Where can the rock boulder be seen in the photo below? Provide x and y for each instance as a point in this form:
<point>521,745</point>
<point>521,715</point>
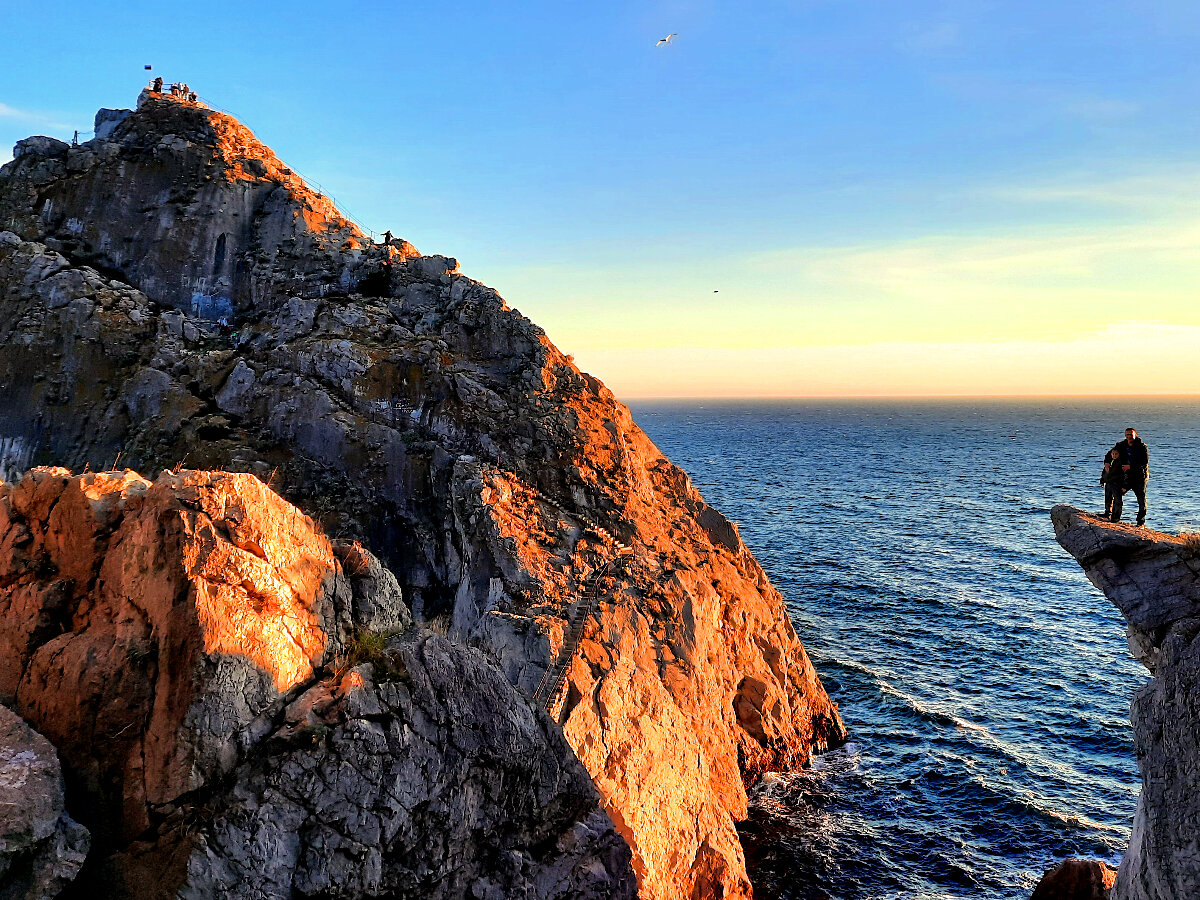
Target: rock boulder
<point>240,715</point>
<point>1077,879</point>
<point>41,848</point>
<point>438,782</point>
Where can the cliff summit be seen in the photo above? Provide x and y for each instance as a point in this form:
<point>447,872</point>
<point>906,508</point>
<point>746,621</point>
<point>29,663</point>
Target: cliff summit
<point>171,294</point>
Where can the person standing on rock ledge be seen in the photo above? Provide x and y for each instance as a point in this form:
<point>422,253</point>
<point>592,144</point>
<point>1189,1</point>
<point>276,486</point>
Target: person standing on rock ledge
<point>1134,460</point>
<point>1112,476</point>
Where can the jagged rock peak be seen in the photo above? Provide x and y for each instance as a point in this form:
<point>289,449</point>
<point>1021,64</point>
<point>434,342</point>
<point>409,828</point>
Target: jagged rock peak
<point>186,204</point>
<point>1154,580</point>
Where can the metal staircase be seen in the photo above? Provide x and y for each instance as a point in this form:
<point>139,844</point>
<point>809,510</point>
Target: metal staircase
<point>552,682</point>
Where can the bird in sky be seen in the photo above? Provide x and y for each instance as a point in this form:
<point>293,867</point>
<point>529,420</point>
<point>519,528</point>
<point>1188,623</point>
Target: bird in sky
<point>665,40</point>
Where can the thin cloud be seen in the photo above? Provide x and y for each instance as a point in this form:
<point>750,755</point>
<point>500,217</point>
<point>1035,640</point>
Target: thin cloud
<point>931,39</point>
<point>1101,109</point>
<point>1040,96</point>
<point>1155,359</point>
<point>992,261</point>
<point>1029,282</point>
<point>32,118</point>
<point>1164,193</point>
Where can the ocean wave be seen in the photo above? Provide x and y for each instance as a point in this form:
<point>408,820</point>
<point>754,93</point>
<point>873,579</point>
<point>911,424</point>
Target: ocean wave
<point>927,712</point>
<point>1044,808</point>
<point>1030,760</point>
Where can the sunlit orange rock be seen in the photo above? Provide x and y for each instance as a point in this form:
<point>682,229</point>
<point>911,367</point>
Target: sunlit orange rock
<point>146,626</point>
<point>690,681</point>
<point>182,644</point>
<point>1077,879</point>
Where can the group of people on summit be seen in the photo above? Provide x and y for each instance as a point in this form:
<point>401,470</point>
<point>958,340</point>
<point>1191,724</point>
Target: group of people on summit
<point>1126,468</point>
<point>178,89</point>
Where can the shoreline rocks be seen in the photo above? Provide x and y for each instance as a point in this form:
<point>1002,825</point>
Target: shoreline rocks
<point>1077,879</point>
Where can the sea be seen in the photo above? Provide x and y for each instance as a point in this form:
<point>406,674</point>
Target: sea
<point>985,683</point>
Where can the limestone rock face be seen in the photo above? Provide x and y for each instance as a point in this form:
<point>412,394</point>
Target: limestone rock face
<point>1077,879</point>
<point>149,630</point>
<point>1154,580</point>
<point>187,645</point>
<point>41,847</point>
<point>406,406</point>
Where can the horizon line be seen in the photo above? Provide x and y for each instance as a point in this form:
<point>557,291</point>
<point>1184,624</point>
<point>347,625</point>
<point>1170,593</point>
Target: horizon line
<point>767,398</point>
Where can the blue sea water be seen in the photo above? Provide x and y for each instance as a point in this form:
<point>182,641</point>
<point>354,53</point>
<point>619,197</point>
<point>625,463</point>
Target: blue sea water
<point>985,683</point>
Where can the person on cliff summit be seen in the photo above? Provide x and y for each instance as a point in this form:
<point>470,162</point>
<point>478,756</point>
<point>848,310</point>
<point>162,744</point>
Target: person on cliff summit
<point>1112,476</point>
<point>1134,457</point>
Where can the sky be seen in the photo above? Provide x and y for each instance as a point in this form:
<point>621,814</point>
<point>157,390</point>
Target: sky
<point>808,198</point>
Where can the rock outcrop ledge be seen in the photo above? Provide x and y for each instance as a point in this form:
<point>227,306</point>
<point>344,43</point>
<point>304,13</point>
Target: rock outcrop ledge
<point>1154,580</point>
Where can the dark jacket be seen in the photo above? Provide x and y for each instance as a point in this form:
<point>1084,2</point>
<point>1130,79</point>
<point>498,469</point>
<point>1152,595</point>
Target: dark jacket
<point>1111,472</point>
<point>1137,457</point>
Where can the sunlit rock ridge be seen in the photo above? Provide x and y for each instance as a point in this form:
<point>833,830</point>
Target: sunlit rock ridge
<point>172,294</point>
<point>1154,580</point>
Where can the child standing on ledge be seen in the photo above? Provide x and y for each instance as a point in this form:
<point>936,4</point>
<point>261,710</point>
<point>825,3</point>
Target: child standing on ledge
<point>1112,476</point>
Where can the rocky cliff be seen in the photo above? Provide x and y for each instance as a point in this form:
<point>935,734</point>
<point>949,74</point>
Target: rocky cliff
<point>231,725</point>
<point>1154,580</point>
<point>174,294</point>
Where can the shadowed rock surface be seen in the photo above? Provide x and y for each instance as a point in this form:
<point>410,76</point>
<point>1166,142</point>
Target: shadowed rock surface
<point>406,406</point>
<point>440,782</point>
<point>1154,580</point>
<point>41,847</point>
<point>187,645</point>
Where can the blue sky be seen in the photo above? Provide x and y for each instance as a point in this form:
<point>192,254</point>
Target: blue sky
<point>943,194</point>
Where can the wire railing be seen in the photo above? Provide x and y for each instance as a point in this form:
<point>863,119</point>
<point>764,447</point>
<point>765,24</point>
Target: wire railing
<point>313,185</point>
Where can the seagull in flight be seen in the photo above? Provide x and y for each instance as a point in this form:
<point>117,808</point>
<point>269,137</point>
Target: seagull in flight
<point>666,40</point>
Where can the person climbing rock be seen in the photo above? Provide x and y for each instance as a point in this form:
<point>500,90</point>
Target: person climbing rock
<point>1112,476</point>
<point>1135,463</point>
